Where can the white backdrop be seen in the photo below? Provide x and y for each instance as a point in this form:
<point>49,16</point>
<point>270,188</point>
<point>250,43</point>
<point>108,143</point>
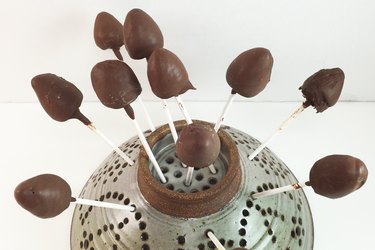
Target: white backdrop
<point>56,36</point>
<point>303,36</point>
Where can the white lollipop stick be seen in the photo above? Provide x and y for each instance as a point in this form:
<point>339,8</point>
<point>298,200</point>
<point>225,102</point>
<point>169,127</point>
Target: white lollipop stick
<point>113,146</point>
<point>189,176</point>
<point>182,107</point>
<point>279,190</point>
<point>217,243</point>
<point>149,151</point>
<point>212,169</point>
<point>281,128</point>
<point>224,112</point>
<point>148,118</point>
<point>221,120</point>
<point>170,120</point>
<point>103,204</point>
<point>171,124</point>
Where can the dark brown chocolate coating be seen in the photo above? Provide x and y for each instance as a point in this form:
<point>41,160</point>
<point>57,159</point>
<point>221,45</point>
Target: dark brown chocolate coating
<point>108,33</point>
<point>167,74</point>
<point>59,98</point>
<point>198,145</point>
<point>141,34</point>
<point>115,83</point>
<point>323,89</point>
<point>45,195</point>
<point>250,72</point>
<point>335,176</point>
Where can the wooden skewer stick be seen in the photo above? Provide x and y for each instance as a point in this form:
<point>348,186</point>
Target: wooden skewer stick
<point>280,190</point>
<point>148,118</point>
<point>224,112</point>
<point>278,130</point>
<point>102,204</point>
<point>213,238</point>
<point>109,142</point>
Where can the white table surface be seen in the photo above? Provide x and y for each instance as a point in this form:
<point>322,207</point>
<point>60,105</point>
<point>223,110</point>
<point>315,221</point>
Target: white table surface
<point>32,143</point>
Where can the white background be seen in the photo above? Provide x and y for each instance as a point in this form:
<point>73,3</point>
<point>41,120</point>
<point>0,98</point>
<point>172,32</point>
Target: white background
<point>304,36</point>
<point>56,36</point>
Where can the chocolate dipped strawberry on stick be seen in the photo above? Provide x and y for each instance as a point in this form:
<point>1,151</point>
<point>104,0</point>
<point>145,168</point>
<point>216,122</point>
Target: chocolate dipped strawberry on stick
<point>247,75</point>
<point>168,78</point>
<point>61,100</point>
<point>333,176</point>
<point>198,146</point>
<point>108,33</point>
<point>48,195</point>
<point>141,37</point>
<point>321,90</point>
<point>141,34</point>
<point>117,87</point>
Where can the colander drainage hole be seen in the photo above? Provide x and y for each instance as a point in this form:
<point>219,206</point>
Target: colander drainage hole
<point>169,160</point>
<point>142,225</point>
<point>170,187</point>
<point>212,181</point>
<point>199,177</point>
<point>164,170</point>
<point>177,174</point>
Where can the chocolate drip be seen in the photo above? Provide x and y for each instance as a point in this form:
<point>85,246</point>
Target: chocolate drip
<point>79,116</point>
<point>118,54</point>
<point>198,145</point>
<point>250,72</point>
<point>335,176</point>
<point>59,98</point>
<point>141,34</point>
<point>322,90</point>
<point>167,74</point>
<point>115,83</point>
<point>129,111</point>
<point>108,33</point>
<point>45,195</point>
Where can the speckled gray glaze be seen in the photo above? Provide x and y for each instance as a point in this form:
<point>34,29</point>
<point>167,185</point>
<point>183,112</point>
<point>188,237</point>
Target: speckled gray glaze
<point>277,222</point>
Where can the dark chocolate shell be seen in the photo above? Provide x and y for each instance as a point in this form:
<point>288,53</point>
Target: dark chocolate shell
<point>115,83</point>
<point>198,145</point>
<point>141,34</point>
<point>250,72</point>
<point>108,33</point>
<point>45,195</point>
<point>322,90</point>
<point>59,98</point>
<point>167,74</point>
<point>335,176</point>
